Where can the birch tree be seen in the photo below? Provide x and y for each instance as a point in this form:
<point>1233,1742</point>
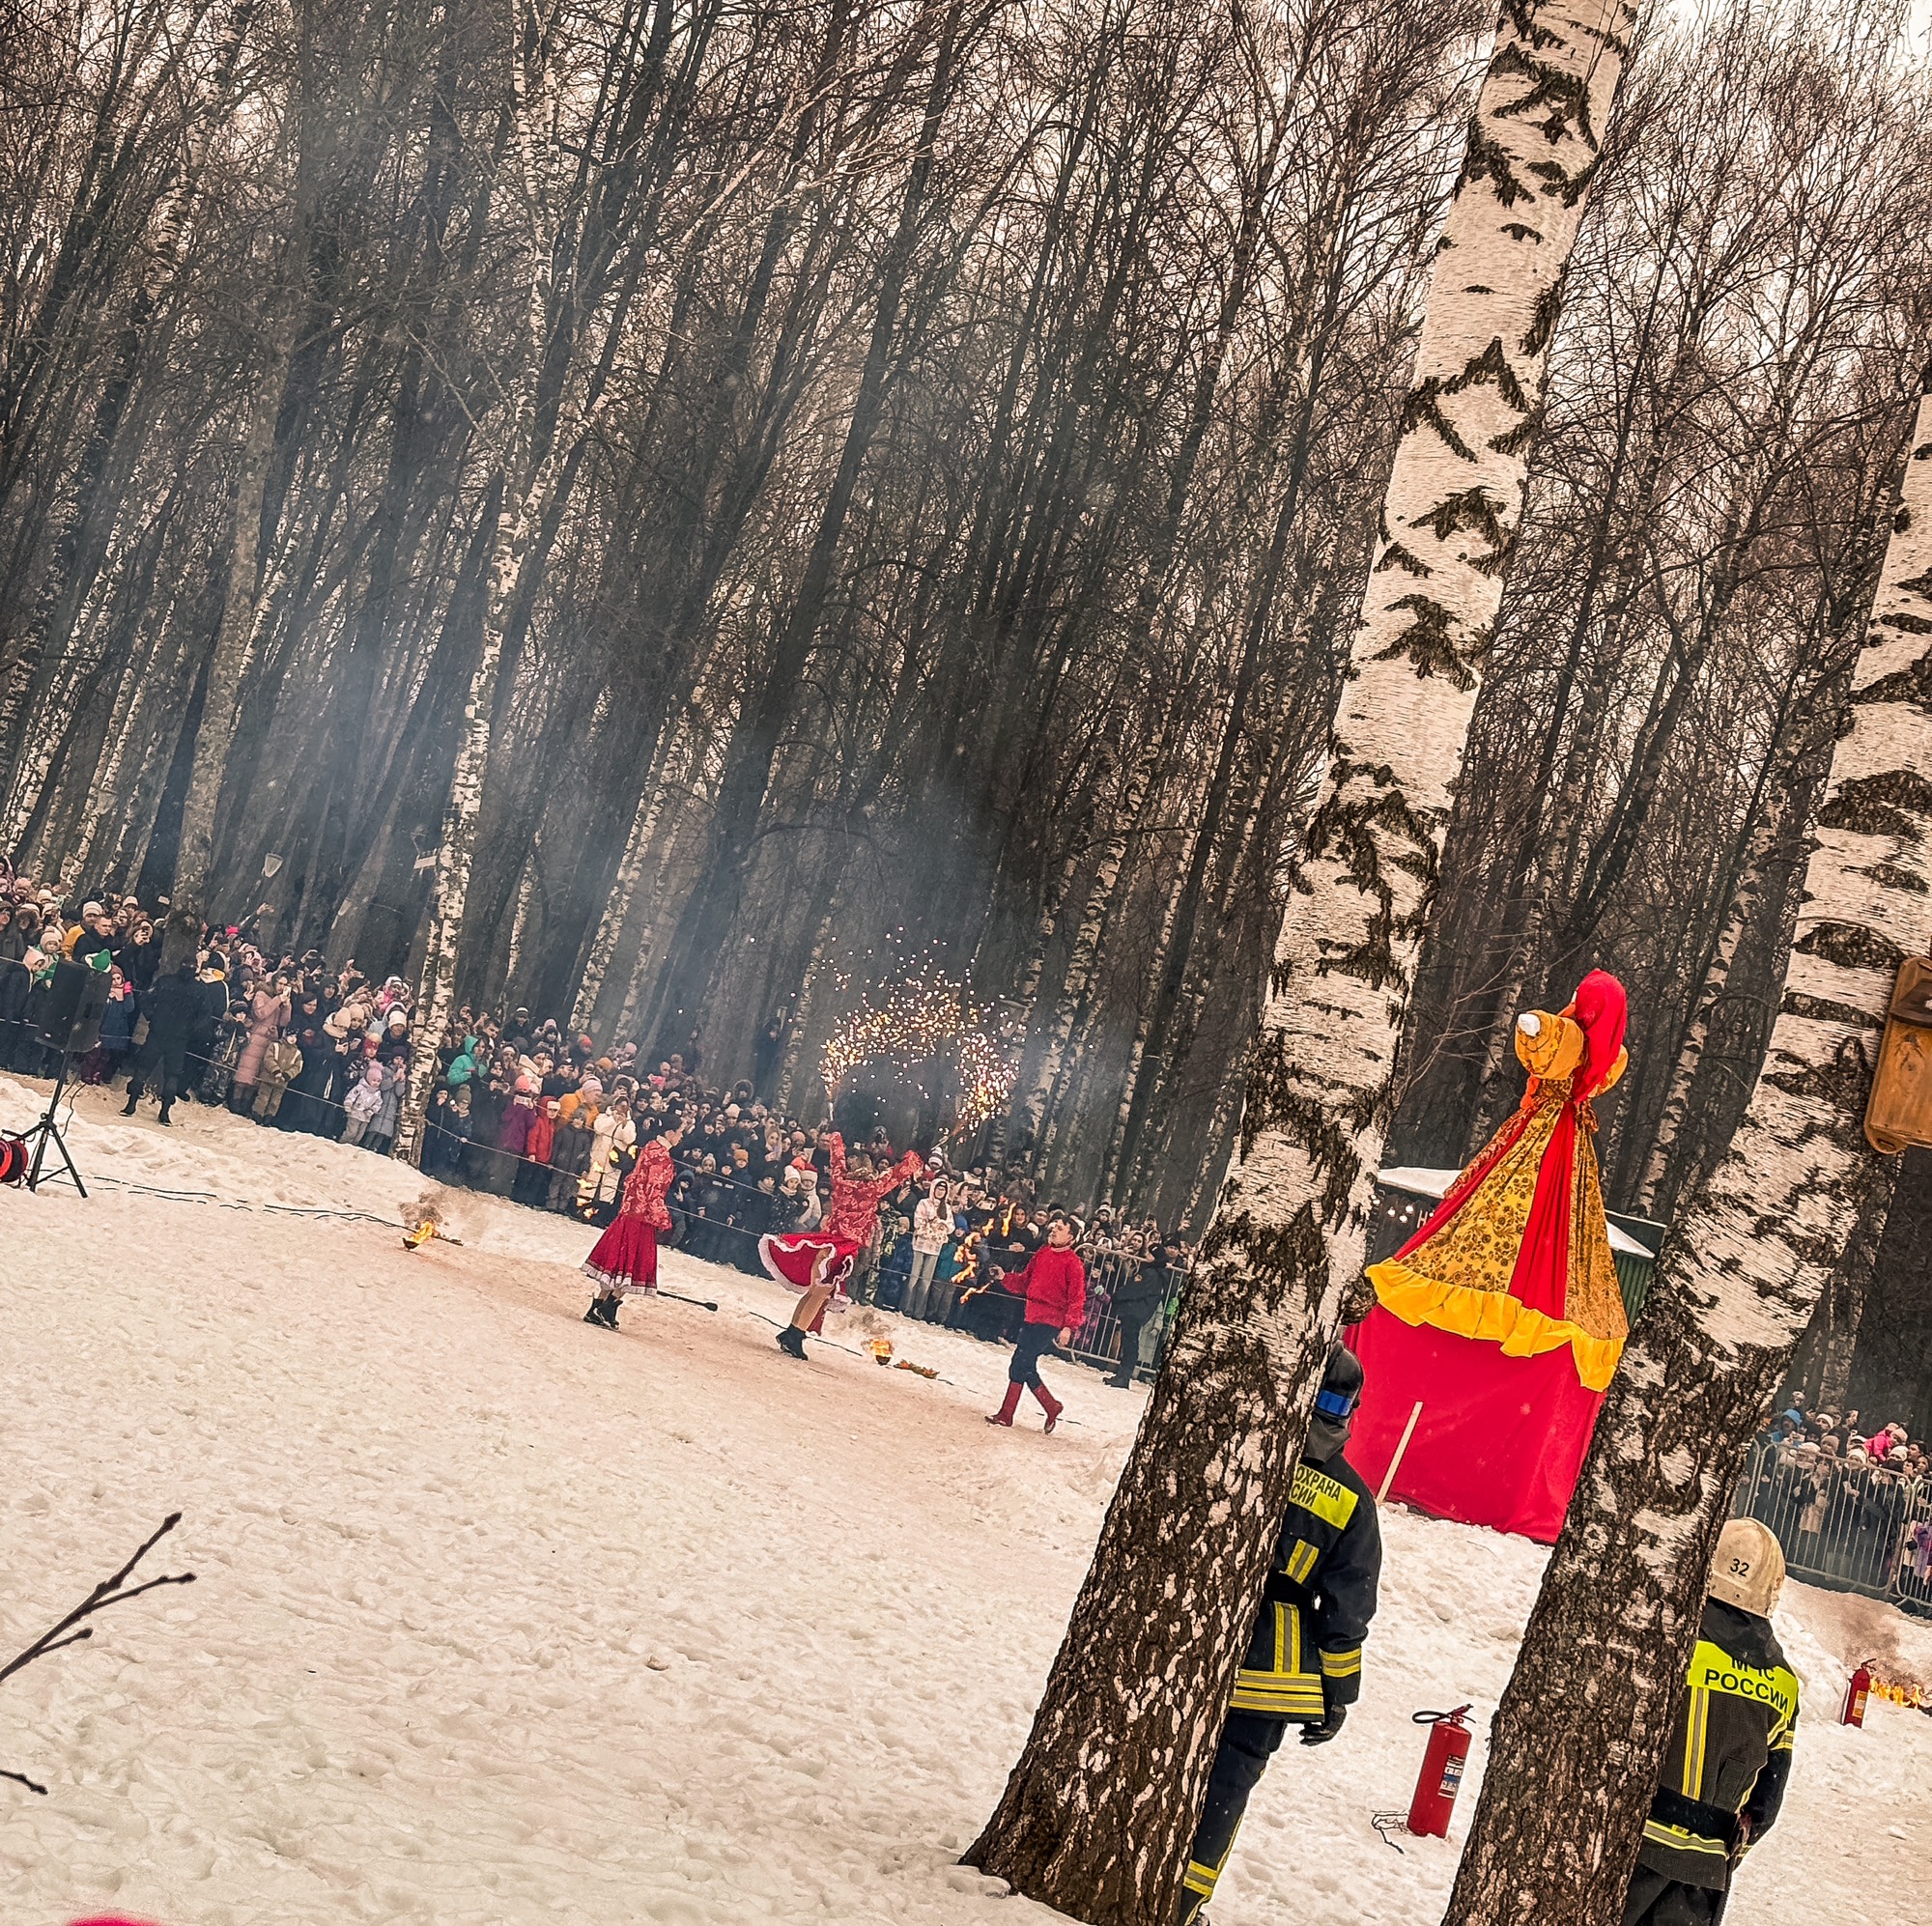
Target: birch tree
<point>1581,1728</point>
<point>1098,1813</point>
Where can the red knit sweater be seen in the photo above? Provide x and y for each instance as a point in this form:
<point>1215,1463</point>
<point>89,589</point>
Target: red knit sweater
<point>1055,1283</point>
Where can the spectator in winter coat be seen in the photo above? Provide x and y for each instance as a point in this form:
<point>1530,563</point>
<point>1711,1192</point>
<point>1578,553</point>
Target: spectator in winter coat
<point>14,978</point>
<point>571,1145</point>
<point>931,1226</point>
<point>204,1069</point>
<point>447,1134</point>
<point>280,1063</point>
<point>381,1135</point>
<point>613,1139</point>
<point>268,1011</point>
<point>141,956</point>
<point>103,1062</point>
<point>533,1174</point>
<point>587,1096</point>
<point>1055,1283</point>
<point>489,1098</point>
<point>513,1133</point>
<point>360,1102</point>
<point>173,1008</point>
<point>1139,1298</point>
<point>303,1106</point>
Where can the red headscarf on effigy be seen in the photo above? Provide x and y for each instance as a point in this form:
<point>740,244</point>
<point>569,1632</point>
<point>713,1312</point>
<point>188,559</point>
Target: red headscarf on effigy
<point>1601,1011</point>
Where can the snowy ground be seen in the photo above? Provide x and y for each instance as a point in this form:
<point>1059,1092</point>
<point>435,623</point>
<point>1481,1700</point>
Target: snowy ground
<point>502,1619</point>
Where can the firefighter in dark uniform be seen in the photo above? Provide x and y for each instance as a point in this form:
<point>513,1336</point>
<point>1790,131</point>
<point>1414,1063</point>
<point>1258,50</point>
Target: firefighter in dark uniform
<point>1304,1662</point>
<point>1729,1756</point>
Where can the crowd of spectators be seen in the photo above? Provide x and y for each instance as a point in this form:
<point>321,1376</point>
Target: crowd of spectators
<point>1851,1503</point>
<point>528,1110</point>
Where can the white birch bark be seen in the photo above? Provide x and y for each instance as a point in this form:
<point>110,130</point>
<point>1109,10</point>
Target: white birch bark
<point>1097,1815</point>
<point>214,729</point>
<point>672,767</point>
<point>534,129</point>
<point>691,779</point>
<point>1293,1209</point>
<point>1081,963</point>
<point>1737,1281</point>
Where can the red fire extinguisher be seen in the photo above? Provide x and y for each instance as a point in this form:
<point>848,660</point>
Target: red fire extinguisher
<point>1855,1694</point>
<point>1441,1771</point>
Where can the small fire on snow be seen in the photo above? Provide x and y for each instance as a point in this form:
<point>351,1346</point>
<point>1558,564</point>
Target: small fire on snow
<point>423,1221</point>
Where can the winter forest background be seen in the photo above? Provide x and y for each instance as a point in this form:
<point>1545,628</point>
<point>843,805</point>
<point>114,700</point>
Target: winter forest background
<point>773,494</point>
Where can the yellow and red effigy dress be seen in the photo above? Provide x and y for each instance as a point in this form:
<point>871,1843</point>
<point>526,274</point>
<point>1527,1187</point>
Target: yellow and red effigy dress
<point>1501,1317</point>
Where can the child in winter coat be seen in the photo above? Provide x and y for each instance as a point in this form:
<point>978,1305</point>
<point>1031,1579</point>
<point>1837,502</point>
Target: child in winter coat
<point>117,1033</point>
<point>533,1174</point>
<point>571,1145</point>
<point>281,1064</point>
<point>361,1102</point>
<point>381,1135</point>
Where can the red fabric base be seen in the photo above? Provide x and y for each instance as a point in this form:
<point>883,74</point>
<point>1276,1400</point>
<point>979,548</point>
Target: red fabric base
<point>625,1257</point>
<point>1500,1441</point>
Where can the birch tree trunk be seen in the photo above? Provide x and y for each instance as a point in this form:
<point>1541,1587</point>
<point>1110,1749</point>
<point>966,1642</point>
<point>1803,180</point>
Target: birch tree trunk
<point>516,518</point>
<point>1097,1815</point>
<point>216,729</point>
<point>1585,1718</point>
<point>1789,796</point>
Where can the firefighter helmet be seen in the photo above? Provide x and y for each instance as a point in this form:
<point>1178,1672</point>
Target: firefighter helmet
<point>1341,1386</point>
<point>1749,1571</point>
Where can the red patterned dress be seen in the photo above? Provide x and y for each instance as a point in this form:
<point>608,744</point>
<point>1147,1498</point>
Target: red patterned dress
<point>625,1261</point>
<point>847,1230</point>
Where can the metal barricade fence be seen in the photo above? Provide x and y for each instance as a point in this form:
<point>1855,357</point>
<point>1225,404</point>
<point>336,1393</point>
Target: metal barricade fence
<point>1845,1526</point>
<point>1097,1342</point>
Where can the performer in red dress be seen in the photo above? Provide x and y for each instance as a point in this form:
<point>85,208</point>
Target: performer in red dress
<point>625,1261</point>
<point>819,1262</point>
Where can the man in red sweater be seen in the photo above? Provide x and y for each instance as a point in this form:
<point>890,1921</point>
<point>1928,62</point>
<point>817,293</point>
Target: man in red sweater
<point>1055,1284</point>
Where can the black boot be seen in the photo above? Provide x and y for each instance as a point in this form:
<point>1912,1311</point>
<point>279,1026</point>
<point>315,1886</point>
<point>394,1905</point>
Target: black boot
<point>128,1108</point>
<point>603,1311</point>
<point>164,1117</point>
<point>791,1341</point>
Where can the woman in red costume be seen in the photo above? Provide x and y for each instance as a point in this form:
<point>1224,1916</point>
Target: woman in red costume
<point>1501,1317</point>
<point>625,1261</point>
<point>819,1262</point>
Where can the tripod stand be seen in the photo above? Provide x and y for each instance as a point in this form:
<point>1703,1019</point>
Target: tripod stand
<point>48,1131</point>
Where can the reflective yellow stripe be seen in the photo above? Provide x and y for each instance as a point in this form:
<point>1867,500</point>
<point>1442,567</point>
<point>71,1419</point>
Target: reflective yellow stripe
<point>1679,1840</point>
<point>1341,1664</point>
<point>1696,1734</point>
<point>1301,1561</point>
<point>1328,1499</point>
<point>1255,1691</point>
<point>1201,1879</point>
<point>1280,1689</point>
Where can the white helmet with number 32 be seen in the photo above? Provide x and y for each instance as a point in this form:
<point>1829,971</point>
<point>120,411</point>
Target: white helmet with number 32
<point>1748,1570</point>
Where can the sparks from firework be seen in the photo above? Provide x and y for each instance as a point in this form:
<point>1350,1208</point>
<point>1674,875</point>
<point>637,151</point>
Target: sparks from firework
<point>924,1016</point>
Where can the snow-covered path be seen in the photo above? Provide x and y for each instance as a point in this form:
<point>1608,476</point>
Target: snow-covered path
<point>502,1619</point>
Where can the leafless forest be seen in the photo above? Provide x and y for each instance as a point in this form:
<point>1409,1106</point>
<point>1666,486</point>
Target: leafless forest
<point>666,509</point>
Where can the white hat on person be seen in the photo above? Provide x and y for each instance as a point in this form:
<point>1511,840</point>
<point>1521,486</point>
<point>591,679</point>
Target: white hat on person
<point>1748,1570</point>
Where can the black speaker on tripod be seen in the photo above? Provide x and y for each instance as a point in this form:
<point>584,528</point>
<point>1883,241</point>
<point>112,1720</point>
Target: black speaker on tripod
<point>76,1001</point>
<point>70,1023</point>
